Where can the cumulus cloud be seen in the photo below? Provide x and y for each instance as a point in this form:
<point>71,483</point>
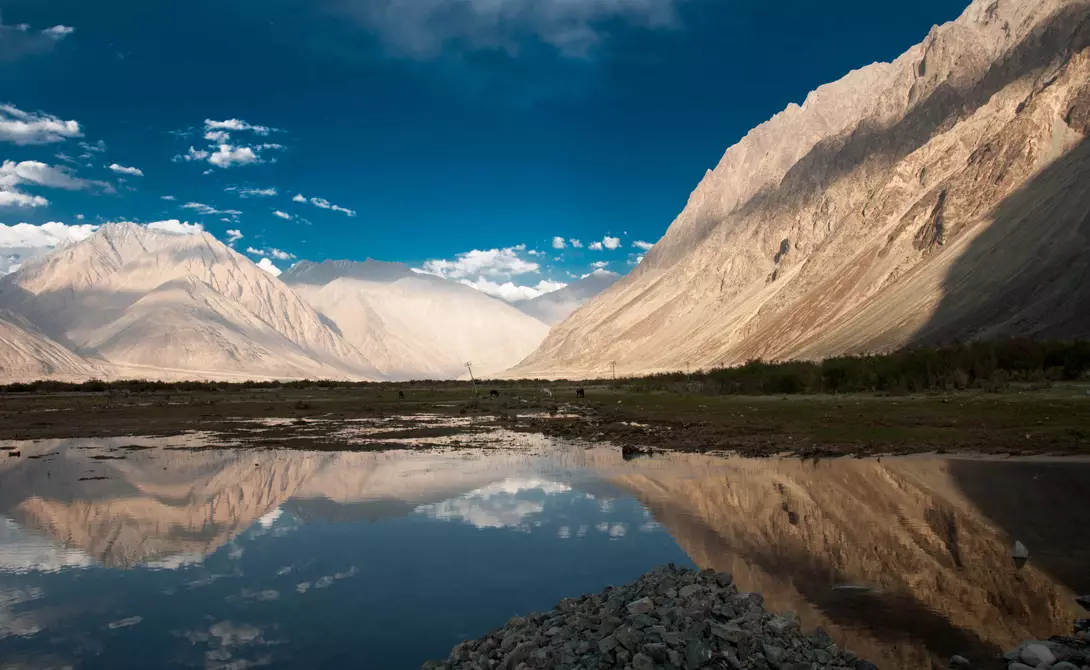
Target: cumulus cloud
<point>177,227</point>
<point>576,244</point>
<point>23,241</point>
<point>35,173</point>
<point>17,199</point>
<point>595,246</point>
<point>640,244</point>
<point>167,197</point>
<point>233,235</point>
<point>511,292</point>
<point>29,128</point>
<point>599,265</point>
<point>611,243</point>
<point>281,255</point>
<point>282,215</point>
<point>559,243</point>
<point>222,152</point>
<point>267,265</point>
<point>120,169</point>
<point>574,28</point>
<point>489,263</point>
<point>19,41</point>
<point>322,203</point>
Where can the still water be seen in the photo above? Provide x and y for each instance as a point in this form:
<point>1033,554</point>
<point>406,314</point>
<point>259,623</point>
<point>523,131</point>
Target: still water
<point>117,557</point>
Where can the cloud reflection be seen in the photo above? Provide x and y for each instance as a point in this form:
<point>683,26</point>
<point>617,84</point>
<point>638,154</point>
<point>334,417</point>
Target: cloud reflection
<point>506,504</point>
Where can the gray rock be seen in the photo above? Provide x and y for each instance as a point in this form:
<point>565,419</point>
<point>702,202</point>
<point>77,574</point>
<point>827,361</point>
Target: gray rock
<point>1018,666</point>
<point>729,632</point>
<point>862,664</point>
<point>674,656</point>
<point>1065,665</point>
<point>724,579</point>
<point>697,653</point>
<point>641,606</point>
<point>781,624</point>
<point>773,654</point>
<point>656,651</point>
<point>959,662</point>
<point>1084,601</point>
<point>690,590</point>
<point>642,662</point>
<point>519,654</point>
<point>629,637</point>
<point>607,644</point>
<point>1036,653</point>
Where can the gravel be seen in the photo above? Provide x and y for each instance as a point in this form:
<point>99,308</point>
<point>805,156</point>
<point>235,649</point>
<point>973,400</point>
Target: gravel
<point>672,618</point>
<point>1058,652</point>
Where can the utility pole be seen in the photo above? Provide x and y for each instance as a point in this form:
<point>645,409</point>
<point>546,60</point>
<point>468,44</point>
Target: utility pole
<point>471,379</point>
<point>614,364</point>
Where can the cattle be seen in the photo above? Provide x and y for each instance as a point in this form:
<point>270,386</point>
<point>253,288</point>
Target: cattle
<point>401,395</point>
<point>547,393</point>
<point>580,393</point>
<point>494,393</point>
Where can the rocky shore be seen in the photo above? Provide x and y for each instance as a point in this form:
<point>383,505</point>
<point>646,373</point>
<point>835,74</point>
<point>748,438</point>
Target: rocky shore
<point>671,618</point>
<point>1057,653</point>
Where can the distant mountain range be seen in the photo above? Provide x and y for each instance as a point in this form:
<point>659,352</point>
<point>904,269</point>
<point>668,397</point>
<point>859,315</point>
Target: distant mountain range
<point>131,301</point>
<point>554,307</point>
<point>940,196</point>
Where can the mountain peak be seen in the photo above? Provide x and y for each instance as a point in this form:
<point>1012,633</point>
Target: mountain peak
<point>319,274</point>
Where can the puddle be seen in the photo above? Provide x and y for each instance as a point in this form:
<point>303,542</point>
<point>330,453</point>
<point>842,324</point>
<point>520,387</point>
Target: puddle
<point>175,555</point>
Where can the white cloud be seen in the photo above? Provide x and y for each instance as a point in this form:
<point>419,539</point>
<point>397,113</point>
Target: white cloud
<point>489,263</point>
<point>80,217</point>
<point>600,265</point>
<point>299,197</point>
<point>59,32</point>
<point>576,244</point>
<point>426,29</point>
<point>136,172</point>
<point>640,244</point>
<point>235,125</point>
<point>46,235</point>
<point>227,156</point>
<point>559,243</point>
<point>97,148</point>
<point>217,136</point>
<point>35,172</point>
<point>267,265</point>
<point>168,197</point>
<point>595,246</point>
<point>208,210</point>
<point>325,204</point>
<point>177,227</point>
<point>611,243</point>
<point>511,292</point>
<point>281,255</point>
<point>233,235</point>
<point>256,252</point>
<point>194,154</point>
<point>17,199</point>
<point>252,192</point>
<point>27,128</point>
<point>282,215</point>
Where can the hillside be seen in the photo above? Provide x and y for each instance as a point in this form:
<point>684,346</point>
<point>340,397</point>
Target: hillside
<point>413,325</point>
<point>185,305</point>
<point>939,196</point>
<point>27,354</point>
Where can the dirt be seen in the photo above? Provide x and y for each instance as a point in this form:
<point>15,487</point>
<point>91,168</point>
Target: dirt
<point>1048,421</point>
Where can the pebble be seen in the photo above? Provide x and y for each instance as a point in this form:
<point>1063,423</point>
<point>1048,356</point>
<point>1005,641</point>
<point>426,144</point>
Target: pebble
<point>1037,654</point>
<point>959,662</point>
<point>690,621</point>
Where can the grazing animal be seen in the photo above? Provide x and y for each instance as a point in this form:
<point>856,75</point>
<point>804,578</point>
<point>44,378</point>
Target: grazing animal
<point>401,395</point>
<point>547,393</point>
<point>494,393</point>
<point>580,393</point>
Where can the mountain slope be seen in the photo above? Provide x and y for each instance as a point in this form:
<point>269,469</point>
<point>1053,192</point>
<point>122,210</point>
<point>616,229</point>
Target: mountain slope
<point>27,354</point>
<point>552,308</point>
<point>416,326</point>
<point>186,304</point>
<point>929,198</point>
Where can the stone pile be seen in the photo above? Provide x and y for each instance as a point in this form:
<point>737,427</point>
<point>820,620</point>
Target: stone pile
<point>1057,653</point>
<point>670,618</point>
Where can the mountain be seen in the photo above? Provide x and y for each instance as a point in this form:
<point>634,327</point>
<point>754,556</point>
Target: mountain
<point>552,308</point>
<point>26,354</point>
<point>939,196</point>
<point>413,325</point>
<point>148,302</point>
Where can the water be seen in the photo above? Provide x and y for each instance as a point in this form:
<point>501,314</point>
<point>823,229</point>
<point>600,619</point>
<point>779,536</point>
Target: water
<point>117,557</point>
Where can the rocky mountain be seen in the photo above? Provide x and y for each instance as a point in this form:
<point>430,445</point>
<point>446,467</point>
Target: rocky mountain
<point>414,325</point>
<point>938,196</point>
<point>27,354</point>
<point>144,302</point>
<point>552,308</point>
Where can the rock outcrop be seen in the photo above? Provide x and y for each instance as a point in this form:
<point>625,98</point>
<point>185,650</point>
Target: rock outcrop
<point>941,195</point>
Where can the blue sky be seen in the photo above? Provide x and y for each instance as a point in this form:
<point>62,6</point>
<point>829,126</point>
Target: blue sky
<point>459,135</point>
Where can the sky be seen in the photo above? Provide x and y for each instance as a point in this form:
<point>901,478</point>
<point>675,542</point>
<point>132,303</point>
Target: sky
<point>515,145</point>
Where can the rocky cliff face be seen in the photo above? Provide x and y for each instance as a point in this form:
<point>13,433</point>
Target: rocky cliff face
<point>934,197</point>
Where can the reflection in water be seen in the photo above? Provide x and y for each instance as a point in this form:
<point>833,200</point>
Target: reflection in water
<point>117,556</point>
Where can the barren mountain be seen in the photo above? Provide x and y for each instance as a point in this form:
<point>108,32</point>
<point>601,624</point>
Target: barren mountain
<point>554,307</point>
<point>413,325</point>
<point>942,195</point>
<point>27,354</point>
<point>176,305</point>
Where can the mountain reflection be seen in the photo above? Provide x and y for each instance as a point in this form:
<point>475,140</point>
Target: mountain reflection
<point>902,560</point>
